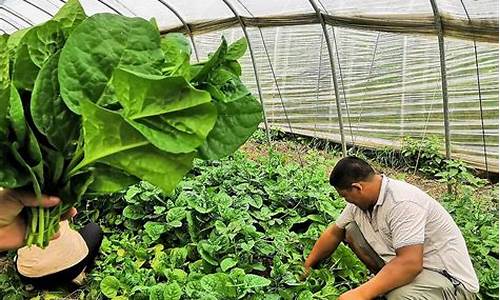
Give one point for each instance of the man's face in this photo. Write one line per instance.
(355, 195)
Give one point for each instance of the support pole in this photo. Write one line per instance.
(10, 23)
(444, 82)
(39, 8)
(186, 26)
(10, 11)
(243, 27)
(481, 112)
(110, 7)
(335, 84)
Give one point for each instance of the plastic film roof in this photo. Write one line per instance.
(480, 20)
(386, 60)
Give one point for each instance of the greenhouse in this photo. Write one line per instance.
(245, 149)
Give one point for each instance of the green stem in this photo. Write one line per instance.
(34, 219)
(31, 236)
(41, 225)
(47, 226)
(77, 157)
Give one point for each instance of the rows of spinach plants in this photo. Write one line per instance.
(240, 229)
(234, 229)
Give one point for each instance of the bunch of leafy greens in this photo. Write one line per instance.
(95, 104)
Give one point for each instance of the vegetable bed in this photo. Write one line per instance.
(240, 228)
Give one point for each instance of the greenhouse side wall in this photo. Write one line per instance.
(389, 87)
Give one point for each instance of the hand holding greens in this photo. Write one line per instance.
(95, 104)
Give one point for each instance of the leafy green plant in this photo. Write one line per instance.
(478, 222)
(456, 173)
(78, 118)
(233, 229)
(240, 229)
(423, 154)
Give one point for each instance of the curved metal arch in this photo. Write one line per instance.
(444, 82)
(243, 27)
(271, 67)
(52, 3)
(186, 26)
(341, 76)
(38, 7)
(6, 21)
(332, 67)
(12, 12)
(128, 9)
(481, 113)
(3, 31)
(110, 7)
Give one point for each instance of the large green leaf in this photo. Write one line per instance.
(34, 48)
(43, 41)
(145, 96)
(16, 116)
(225, 86)
(109, 180)
(236, 122)
(112, 141)
(159, 168)
(99, 45)
(237, 49)
(24, 69)
(168, 111)
(25, 140)
(11, 175)
(14, 41)
(4, 88)
(50, 115)
(54, 162)
(106, 132)
(215, 60)
(178, 132)
(4, 63)
(69, 16)
(177, 52)
(14, 147)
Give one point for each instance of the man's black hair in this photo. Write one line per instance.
(349, 170)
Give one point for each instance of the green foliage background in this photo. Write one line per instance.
(240, 228)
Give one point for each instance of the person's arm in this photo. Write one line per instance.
(325, 245)
(400, 271)
(329, 239)
(406, 222)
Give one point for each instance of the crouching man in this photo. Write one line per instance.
(402, 234)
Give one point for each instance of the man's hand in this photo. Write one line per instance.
(324, 246)
(307, 271)
(354, 294)
(12, 225)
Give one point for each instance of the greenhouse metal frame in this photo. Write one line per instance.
(394, 68)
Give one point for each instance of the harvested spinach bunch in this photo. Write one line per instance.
(95, 104)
